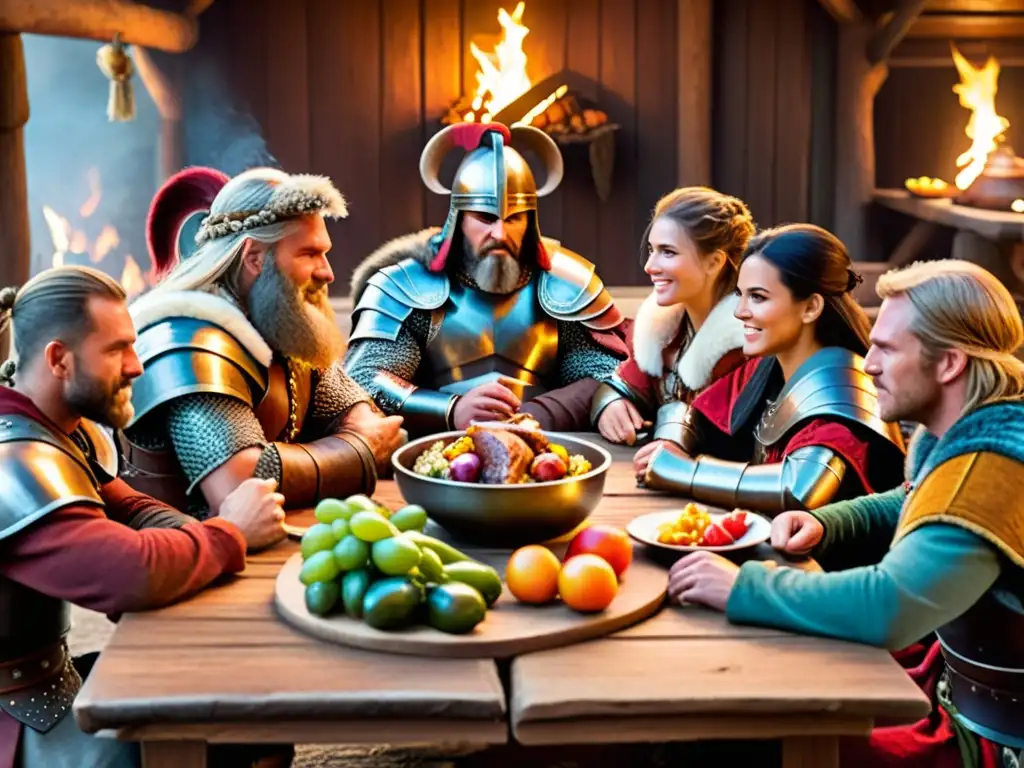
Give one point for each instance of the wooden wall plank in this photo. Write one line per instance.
(442, 84)
(762, 29)
(656, 115)
(822, 178)
(401, 129)
(729, 108)
(289, 111)
(345, 134)
(693, 41)
(618, 98)
(249, 26)
(580, 204)
(793, 113)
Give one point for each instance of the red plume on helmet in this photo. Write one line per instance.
(182, 195)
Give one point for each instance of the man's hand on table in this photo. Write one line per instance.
(384, 434)
(492, 401)
(257, 511)
(796, 533)
(704, 578)
(619, 422)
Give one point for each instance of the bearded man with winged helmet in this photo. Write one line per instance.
(486, 317)
(241, 352)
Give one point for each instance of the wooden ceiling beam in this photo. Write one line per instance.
(963, 26)
(888, 37)
(100, 20)
(843, 11)
(975, 6)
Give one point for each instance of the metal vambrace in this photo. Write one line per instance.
(805, 479)
(603, 397)
(423, 410)
(676, 422)
(335, 466)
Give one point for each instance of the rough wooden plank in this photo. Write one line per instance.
(16, 256)
(930, 52)
(617, 223)
(763, 72)
(793, 93)
(960, 26)
(810, 752)
(687, 727)
(693, 92)
(842, 11)
(401, 112)
(976, 6)
(995, 225)
(730, 54)
(442, 84)
(822, 181)
(747, 676)
(187, 632)
(345, 134)
(288, 119)
(137, 686)
(174, 754)
(580, 204)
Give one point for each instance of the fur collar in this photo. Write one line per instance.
(995, 427)
(214, 308)
(411, 246)
(656, 326)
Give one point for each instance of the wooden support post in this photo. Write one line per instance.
(857, 83)
(164, 86)
(15, 241)
(693, 20)
(886, 39)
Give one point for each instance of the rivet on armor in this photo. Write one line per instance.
(15, 674)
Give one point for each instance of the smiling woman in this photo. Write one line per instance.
(802, 414)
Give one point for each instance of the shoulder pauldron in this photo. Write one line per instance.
(836, 387)
(571, 290)
(390, 296)
(185, 356)
(39, 472)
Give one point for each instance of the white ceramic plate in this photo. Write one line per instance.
(645, 530)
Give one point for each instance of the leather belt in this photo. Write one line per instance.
(998, 709)
(31, 670)
(155, 473)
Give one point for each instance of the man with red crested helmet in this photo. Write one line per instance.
(485, 317)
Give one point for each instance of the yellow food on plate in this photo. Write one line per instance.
(687, 528)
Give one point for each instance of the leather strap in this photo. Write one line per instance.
(31, 670)
(155, 473)
(334, 466)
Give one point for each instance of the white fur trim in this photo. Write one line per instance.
(200, 305)
(721, 333)
(654, 327)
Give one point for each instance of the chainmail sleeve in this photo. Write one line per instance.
(581, 357)
(400, 358)
(333, 394)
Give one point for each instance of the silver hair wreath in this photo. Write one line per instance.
(301, 195)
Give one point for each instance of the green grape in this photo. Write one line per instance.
(351, 553)
(371, 526)
(340, 528)
(395, 556)
(318, 538)
(321, 566)
(329, 510)
(410, 518)
(361, 503)
(321, 597)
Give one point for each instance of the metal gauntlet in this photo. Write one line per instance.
(805, 479)
(335, 466)
(423, 410)
(677, 422)
(603, 397)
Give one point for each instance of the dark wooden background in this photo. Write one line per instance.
(354, 88)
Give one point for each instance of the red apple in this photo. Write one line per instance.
(607, 542)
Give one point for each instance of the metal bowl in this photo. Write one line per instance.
(506, 516)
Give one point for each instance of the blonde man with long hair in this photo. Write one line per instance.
(936, 559)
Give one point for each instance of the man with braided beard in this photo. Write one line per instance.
(240, 349)
(484, 318)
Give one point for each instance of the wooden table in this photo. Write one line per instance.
(223, 668)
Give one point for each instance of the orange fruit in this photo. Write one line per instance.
(587, 583)
(532, 574)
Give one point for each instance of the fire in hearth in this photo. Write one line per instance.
(502, 76)
(73, 245)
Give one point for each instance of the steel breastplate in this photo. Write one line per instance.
(485, 337)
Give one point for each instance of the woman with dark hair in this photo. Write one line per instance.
(685, 334)
(798, 425)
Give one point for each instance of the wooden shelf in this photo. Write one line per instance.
(994, 225)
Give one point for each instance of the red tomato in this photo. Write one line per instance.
(716, 536)
(607, 542)
(736, 524)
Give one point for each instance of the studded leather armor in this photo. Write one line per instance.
(41, 472)
(832, 384)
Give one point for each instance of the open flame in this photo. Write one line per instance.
(502, 76)
(977, 91)
(68, 240)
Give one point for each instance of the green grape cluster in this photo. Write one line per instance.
(378, 566)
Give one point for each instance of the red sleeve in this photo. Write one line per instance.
(79, 554)
(839, 438)
(716, 401)
(124, 503)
